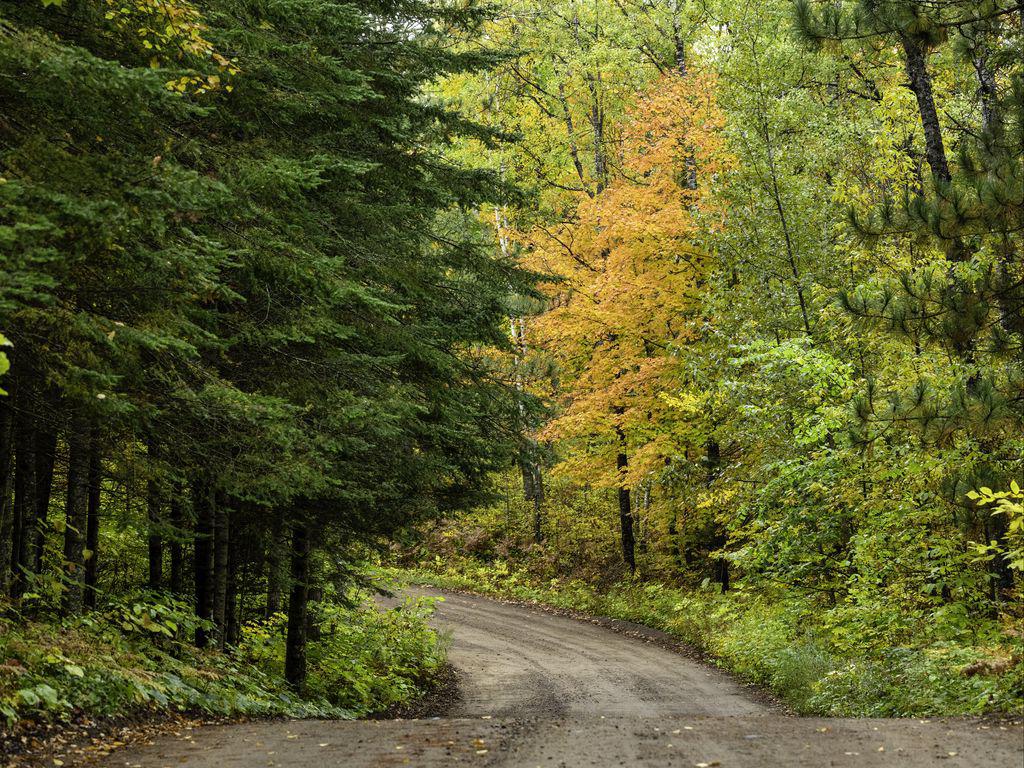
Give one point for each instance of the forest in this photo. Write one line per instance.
(702, 314)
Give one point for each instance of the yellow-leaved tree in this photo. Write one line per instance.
(628, 294)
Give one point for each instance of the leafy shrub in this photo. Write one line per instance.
(136, 655)
(808, 656)
(364, 659)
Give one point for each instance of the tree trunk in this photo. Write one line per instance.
(673, 541)
(202, 500)
(92, 525)
(921, 85)
(679, 47)
(626, 518)
(295, 647)
(154, 540)
(231, 626)
(643, 518)
(221, 534)
(625, 507)
(177, 551)
(720, 567)
(46, 454)
(24, 492)
(6, 486)
(76, 516)
(275, 564)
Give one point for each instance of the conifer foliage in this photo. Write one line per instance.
(245, 322)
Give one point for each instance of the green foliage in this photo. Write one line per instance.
(364, 659)
(1010, 506)
(136, 656)
(783, 644)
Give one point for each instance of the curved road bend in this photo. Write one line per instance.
(543, 690)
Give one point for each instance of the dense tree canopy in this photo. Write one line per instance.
(246, 301)
(784, 317)
(735, 290)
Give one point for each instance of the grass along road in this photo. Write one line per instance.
(538, 689)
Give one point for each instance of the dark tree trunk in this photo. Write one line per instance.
(921, 84)
(154, 501)
(92, 525)
(221, 534)
(76, 516)
(24, 492)
(1001, 576)
(298, 601)
(275, 564)
(678, 43)
(177, 550)
(46, 455)
(626, 519)
(714, 465)
(625, 507)
(231, 625)
(6, 486)
(673, 541)
(202, 500)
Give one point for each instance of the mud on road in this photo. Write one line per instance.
(537, 689)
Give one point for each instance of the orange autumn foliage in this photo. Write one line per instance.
(631, 277)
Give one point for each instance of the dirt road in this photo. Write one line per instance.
(538, 689)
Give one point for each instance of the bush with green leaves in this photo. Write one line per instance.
(362, 659)
(135, 656)
(810, 658)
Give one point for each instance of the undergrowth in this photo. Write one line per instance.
(780, 644)
(135, 656)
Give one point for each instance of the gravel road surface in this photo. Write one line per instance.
(538, 689)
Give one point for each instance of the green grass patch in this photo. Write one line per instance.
(777, 643)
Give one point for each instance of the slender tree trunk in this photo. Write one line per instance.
(626, 518)
(570, 131)
(673, 541)
(202, 500)
(533, 481)
(92, 525)
(921, 84)
(76, 516)
(177, 550)
(714, 464)
(24, 491)
(641, 519)
(275, 563)
(295, 646)
(221, 535)
(6, 486)
(46, 455)
(154, 502)
(625, 507)
(679, 47)
(231, 625)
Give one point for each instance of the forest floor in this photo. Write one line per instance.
(541, 689)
